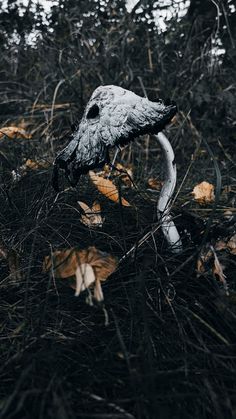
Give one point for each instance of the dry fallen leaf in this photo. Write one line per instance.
(218, 269)
(208, 260)
(220, 245)
(204, 193)
(36, 164)
(174, 120)
(86, 267)
(125, 174)
(204, 257)
(226, 243)
(48, 107)
(12, 258)
(231, 244)
(92, 216)
(155, 183)
(107, 188)
(14, 132)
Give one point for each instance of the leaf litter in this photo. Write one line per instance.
(88, 268)
(204, 193)
(92, 216)
(107, 188)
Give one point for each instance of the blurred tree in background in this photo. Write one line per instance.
(64, 55)
(163, 345)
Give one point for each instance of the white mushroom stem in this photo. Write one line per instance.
(164, 203)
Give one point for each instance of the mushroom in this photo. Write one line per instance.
(113, 117)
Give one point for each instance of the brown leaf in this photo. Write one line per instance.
(226, 243)
(92, 217)
(231, 244)
(127, 175)
(174, 120)
(208, 261)
(124, 173)
(78, 264)
(14, 132)
(14, 265)
(218, 269)
(204, 257)
(220, 245)
(107, 188)
(48, 107)
(36, 164)
(12, 259)
(204, 193)
(155, 183)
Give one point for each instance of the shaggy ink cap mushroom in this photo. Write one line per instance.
(113, 116)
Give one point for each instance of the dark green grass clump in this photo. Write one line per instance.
(162, 345)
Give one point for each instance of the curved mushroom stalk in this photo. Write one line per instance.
(164, 203)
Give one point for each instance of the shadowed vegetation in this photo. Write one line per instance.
(162, 344)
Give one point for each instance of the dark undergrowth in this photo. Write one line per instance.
(162, 345)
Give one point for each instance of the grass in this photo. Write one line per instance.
(163, 343)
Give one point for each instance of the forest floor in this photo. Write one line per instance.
(162, 344)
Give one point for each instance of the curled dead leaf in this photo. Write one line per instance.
(174, 120)
(108, 189)
(92, 217)
(220, 245)
(36, 164)
(204, 257)
(228, 244)
(14, 132)
(87, 267)
(204, 193)
(48, 107)
(154, 183)
(125, 174)
(12, 258)
(231, 244)
(209, 261)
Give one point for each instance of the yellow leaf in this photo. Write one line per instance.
(14, 132)
(86, 267)
(107, 188)
(204, 193)
(92, 217)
